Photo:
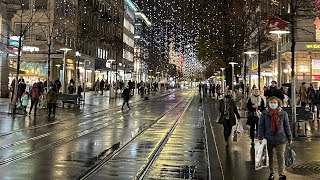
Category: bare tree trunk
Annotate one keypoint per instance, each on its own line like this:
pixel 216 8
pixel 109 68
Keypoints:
pixel 49 65
pixel 15 96
pixel 259 60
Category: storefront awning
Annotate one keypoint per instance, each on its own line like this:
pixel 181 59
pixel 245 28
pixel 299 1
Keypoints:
pixel 266 65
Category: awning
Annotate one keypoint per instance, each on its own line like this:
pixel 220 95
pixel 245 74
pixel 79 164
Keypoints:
pixel 266 65
pixel 4 49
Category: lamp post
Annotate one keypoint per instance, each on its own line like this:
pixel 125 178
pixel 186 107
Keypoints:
pixel 78 54
pixel 112 92
pixel 85 80
pixel 223 85
pixel 279 33
pixel 250 53
pixel 232 64
pixel 64 68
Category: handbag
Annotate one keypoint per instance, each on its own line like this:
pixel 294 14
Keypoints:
pixel 220 118
pixel 290 156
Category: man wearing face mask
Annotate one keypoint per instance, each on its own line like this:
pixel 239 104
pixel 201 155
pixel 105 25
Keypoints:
pixel 274 127
pixel 228 107
pixel 255 106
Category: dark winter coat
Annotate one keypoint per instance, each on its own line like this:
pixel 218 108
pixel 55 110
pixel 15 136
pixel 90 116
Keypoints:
pixel 274 91
pixel 265 131
pixel 231 112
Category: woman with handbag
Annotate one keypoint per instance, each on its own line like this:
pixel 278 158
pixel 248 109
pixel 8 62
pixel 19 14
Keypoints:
pixel 228 109
pixel 255 106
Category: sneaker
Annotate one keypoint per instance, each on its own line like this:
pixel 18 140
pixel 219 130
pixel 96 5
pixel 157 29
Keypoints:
pixel 271 176
pixel 282 177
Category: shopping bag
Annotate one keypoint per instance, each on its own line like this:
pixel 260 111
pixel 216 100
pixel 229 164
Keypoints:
pixel 290 156
pixel 261 155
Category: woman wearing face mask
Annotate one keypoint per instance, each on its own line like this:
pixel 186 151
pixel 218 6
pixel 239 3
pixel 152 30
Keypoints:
pixel 229 109
pixel 274 127
pixel 255 105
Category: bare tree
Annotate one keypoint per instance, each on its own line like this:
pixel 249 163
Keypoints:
pixel 24 19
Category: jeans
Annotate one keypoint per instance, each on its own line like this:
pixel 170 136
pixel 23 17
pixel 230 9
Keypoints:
pixel 34 102
pixel 227 129
pixel 52 107
pixel 280 149
pixel 253 127
pixel 312 105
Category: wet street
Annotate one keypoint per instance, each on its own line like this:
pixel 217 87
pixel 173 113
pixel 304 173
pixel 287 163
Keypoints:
pixel 171 136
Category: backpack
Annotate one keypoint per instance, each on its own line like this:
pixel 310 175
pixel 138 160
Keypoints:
pixel 35 93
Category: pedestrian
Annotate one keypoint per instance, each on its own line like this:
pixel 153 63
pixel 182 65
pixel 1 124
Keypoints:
pixel 312 98
pixel 52 97
pixel 35 95
pixel 274 91
pixel 25 101
pixel 275 128
pixel 21 89
pixel 71 88
pixel 58 84
pixel 255 106
pixel 102 86
pixel 97 86
pixel 227 106
pixel 303 94
pixel 126 97
pixel 318 103
pixel 214 90
pixel 218 89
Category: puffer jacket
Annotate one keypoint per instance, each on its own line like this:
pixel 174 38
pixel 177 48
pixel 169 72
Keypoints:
pixel 265 131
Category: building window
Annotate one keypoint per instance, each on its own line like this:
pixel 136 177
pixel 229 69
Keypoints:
pixel 40 4
pixel 26 4
pixel 20 28
pixel 39 33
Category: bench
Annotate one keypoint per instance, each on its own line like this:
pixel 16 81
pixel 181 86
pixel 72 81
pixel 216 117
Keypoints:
pixel 68 98
pixel 303 117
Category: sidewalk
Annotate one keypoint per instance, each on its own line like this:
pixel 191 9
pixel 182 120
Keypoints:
pixel 92 103
pixel 238 160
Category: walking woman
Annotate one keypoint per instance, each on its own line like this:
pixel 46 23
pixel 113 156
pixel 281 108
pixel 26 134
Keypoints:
pixel 274 127
pixel 255 106
pixel 52 98
pixel 228 108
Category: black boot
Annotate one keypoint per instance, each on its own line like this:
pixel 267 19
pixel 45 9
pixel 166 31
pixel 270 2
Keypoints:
pixel 282 177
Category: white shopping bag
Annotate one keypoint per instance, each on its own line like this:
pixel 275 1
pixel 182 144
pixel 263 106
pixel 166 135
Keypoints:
pixel 261 155
pixel 236 131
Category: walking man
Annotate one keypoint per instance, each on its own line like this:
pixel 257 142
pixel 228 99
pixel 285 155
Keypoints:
pixel 126 97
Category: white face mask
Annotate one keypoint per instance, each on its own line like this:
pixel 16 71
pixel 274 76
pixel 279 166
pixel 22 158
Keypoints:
pixel 273 105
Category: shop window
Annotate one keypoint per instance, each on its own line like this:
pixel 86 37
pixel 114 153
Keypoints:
pixel 40 4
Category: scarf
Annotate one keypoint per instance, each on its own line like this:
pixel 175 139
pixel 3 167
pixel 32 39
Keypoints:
pixel 256 100
pixel 274 113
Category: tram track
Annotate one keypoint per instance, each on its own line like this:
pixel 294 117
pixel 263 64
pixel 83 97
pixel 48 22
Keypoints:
pixel 84 115
pixel 79 133
pixel 142 171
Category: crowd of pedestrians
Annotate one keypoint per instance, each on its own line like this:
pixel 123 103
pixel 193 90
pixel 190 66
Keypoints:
pixel 266 118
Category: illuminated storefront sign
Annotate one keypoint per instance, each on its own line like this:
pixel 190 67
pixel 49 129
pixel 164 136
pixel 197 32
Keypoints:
pixel 255 67
pixel 30 48
pixel 313 46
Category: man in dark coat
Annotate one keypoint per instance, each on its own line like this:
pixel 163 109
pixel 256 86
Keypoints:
pixel 274 91
pixel 126 97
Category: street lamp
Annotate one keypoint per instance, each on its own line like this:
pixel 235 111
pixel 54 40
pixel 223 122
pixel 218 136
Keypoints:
pixel 78 54
pixel 279 33
pixel 64 68
pixel 250 53
pixel 232 64
pixel 112 90
pixel 85 79
pixel 223 86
